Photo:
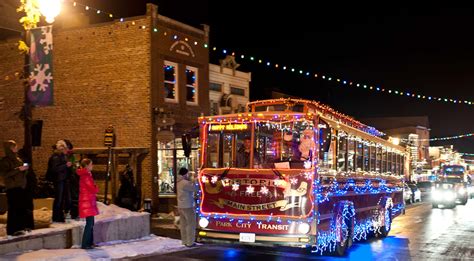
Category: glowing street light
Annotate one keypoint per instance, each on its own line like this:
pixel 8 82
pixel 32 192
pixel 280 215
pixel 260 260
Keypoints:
pixel 50 9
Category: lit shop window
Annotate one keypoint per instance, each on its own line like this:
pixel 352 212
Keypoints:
pixel 171 81
pixel 191 85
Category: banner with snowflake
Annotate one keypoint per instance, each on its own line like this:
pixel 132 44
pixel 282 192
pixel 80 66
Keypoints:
pixel 41 66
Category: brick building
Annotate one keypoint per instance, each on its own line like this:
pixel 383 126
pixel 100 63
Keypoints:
pixel 147 76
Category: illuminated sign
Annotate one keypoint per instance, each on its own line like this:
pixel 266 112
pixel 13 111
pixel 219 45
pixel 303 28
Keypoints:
pixel 229 127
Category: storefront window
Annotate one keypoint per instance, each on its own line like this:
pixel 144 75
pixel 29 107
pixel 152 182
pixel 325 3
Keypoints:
pixel 170 159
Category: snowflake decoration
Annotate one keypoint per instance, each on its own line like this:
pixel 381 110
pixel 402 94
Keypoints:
pixel 308 175
pixel 47 41
pixel 250 189
pixel 235 187
pixel 307 164
pixel 264 190
pixel 293 181
pixel 214 179
pixel 39 79
pixel 204 179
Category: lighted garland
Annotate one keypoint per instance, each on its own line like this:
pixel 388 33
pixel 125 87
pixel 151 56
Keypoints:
pixel 443 138
pixel 377 88
pixel 100 12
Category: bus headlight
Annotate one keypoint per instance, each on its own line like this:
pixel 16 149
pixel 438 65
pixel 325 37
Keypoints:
pixel 203 222
pixel 303 228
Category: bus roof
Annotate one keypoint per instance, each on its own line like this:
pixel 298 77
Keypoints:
pixel 318 108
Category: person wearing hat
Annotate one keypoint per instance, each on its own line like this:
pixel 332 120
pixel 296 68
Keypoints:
pixel 186 205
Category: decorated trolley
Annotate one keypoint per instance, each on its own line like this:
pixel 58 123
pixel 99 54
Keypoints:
pixel 296 173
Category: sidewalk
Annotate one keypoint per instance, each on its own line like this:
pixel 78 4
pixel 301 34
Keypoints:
pixel 163 226
pixel 113 250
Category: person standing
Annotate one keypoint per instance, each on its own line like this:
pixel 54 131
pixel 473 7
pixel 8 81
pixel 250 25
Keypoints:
pixel 72 183
pixel 31 185
pixel 87 202
pixel 187 212
pixel 14 172
pixel 58 165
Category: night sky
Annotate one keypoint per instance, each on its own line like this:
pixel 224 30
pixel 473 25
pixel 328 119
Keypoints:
pixel 425 49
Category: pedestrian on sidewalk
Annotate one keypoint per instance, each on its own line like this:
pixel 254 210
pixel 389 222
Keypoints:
pixel 14 172
pixel 87 202
pixel 72 183
pixel 186 207
pixel 59 167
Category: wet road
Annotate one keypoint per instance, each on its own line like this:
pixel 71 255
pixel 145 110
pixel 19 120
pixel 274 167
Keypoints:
pixel 422 233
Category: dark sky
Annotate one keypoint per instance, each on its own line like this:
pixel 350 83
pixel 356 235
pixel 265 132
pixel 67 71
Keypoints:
pixel 427 49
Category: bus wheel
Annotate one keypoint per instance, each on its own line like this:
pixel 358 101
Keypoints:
pixel 387 224
pixel 385 216
pixel 344 222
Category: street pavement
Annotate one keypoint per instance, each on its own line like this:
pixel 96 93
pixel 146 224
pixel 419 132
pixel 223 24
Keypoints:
pixel 422 233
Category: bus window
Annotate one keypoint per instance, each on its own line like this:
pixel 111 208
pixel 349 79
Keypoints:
pixel 373 157
pixel 341 151
pixel 326 150
pixel 284 145
pixel 394 163
pixel 366 157
pixel 213 150
pixel 378 167
pixel 384 160
pixel 350 154
pixel 359 156
pixel 228 146
pixel 389 160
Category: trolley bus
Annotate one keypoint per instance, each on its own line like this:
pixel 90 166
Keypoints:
pixel 296 173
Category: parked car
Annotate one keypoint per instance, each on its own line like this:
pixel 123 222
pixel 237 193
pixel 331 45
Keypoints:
pixel 425 188
pixel 407 194
pixel 416 193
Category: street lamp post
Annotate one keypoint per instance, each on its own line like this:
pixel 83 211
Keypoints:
pixel 33 10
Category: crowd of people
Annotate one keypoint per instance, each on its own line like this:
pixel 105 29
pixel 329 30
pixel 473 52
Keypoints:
pixel 74 189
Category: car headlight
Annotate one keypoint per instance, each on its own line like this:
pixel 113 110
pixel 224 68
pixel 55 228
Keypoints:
pixel 461 191
pixel 303 228
pixel 437 194
pixel 203 222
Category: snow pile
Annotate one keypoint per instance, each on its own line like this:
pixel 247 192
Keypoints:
pixel 43 223
pixel 112 212
pixel 150 245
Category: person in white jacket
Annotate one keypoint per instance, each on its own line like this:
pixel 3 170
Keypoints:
pixel 186 207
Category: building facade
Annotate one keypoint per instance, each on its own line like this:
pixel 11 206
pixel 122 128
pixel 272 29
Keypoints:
pixel 147 76
pixel 229 89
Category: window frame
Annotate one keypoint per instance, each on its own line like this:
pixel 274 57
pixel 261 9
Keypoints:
pixel 176 81
pixel 240 88
pixel 196 85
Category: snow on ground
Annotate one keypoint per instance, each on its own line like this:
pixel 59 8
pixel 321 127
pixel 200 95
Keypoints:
pixel 150 245
pixel 43 219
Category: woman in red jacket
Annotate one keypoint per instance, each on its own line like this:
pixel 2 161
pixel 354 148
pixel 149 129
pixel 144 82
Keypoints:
pixel 87 202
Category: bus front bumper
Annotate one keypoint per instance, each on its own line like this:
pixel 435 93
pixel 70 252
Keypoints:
pixel 263 240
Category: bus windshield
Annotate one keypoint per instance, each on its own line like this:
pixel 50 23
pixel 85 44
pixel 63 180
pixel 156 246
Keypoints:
pixel 453 170
pixel 283 145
